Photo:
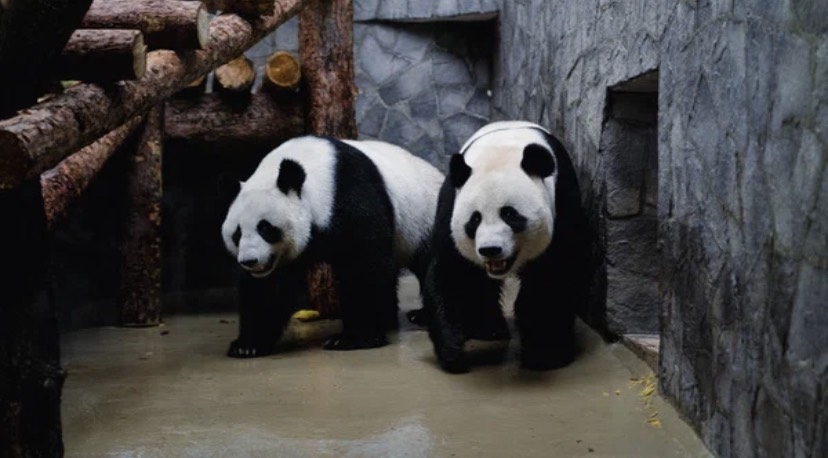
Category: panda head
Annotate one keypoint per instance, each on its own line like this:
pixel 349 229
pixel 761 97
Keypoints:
pixel 268 225
pixel 504 210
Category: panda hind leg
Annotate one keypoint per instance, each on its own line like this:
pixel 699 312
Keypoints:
pixel 368 299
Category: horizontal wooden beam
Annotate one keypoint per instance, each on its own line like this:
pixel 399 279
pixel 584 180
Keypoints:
pixel 38 138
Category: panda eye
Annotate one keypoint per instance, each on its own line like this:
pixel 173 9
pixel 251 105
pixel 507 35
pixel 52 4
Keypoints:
pixel 236 236
pixel 513 218
pixel 270 233
pixel 473 223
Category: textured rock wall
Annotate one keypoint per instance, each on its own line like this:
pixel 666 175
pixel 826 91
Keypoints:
pixel 743 196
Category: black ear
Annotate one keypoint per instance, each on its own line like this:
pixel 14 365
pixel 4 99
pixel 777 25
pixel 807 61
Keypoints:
pixel 291 176
pixel 459 172
pixel 538 161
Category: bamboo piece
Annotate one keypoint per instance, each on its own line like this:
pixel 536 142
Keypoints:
pixel 40 137
pixel 166 24
pixel 95 55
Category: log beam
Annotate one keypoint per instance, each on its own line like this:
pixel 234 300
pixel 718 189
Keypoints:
pixel 166 24
pixel 212 119
pixel 141 248
pixel 40 137
pixel 65 183
pixel 95 55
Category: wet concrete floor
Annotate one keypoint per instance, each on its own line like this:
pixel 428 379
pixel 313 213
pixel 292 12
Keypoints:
pixel 170 392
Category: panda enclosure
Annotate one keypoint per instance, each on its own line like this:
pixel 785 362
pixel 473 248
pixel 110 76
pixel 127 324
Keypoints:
pixel 131 56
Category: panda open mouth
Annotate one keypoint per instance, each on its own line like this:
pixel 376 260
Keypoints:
pixel 263 270
pixel 500 266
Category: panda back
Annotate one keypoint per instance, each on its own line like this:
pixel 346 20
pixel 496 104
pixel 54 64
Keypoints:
pixel 412 185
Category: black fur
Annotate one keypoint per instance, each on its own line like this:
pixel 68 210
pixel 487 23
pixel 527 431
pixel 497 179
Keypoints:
pixel 513 219
pixel 291 177
pixel 472 224
pixel 537 161
pixel 359 246
pixel 459 171
pixel 237 236
pixel 460 301
pixel 270 233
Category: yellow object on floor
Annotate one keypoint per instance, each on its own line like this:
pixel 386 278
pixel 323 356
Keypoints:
pixel 307 315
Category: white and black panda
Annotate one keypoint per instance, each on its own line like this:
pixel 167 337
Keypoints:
pixel 510 206
pixel 366 207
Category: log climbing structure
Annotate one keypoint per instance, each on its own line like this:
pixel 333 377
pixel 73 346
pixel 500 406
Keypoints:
pixel 137 70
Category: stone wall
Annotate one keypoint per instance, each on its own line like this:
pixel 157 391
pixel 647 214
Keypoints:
pixel 742 192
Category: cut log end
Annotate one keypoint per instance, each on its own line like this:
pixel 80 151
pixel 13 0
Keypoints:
pixel 14 165
pixel 98 55
pixel 282 72
pixel 236 76
pixel 203 26
pixel 139 50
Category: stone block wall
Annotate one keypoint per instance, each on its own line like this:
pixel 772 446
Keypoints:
pixel 742 191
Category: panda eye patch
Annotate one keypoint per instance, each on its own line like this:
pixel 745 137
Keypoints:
pixel 270 233
pixel 513 218
pixel 472 224
pixel 236 236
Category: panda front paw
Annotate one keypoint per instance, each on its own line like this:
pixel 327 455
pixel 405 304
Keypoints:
pixel 342 342
pixel 239 349
pixel 453 360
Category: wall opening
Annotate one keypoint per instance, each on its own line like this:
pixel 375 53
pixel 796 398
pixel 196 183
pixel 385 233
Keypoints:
pixel 629 146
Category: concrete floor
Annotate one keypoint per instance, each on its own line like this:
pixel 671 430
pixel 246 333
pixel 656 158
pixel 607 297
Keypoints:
pixel 170 392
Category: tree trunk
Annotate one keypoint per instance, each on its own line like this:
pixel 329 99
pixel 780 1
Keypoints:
pixel 44 26
pixel 235 77
pixel 326 52
pixel 39 138
pixel 327 56
pixel 166 24
pixel 65 183
pixel 241 7
pixel 31 378
pixel 214 120
pixel 282 73
pixel 94 55
pixel 141 249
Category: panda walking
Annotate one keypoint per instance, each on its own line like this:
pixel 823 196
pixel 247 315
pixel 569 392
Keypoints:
pixel 366 207
pixel 510 206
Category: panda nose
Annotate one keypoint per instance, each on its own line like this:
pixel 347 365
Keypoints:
pixel 490 251
pixel 249 262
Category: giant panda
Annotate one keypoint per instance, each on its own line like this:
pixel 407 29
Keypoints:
pixel 510 206
pixel 365 207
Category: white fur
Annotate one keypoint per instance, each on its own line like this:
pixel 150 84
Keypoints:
pixel 412 185
pixel 494 154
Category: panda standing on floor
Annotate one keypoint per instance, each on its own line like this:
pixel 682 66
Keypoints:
pixel 511 205
pixel 366 207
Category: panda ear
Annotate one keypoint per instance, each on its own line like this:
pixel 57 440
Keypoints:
pixel 291 177
pixel 538 161
pixel 459 171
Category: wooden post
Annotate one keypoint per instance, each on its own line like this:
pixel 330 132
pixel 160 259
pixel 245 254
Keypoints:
pixel 326 37
pixel 31 378
pixel 327 59
pixel 141 249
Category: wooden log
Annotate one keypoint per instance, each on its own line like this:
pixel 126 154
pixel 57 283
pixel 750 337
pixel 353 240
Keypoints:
pixel 96 55
pixel 196 88
pixel 31 378
pixel 166 24
pixel 63 184
pixel 44 26
pixel 141 249
pixel 327 63
pixel 235 77
pixel 282 73
pixel 40 137
pixel 241 7
pixel 212 119
pixel 327 55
